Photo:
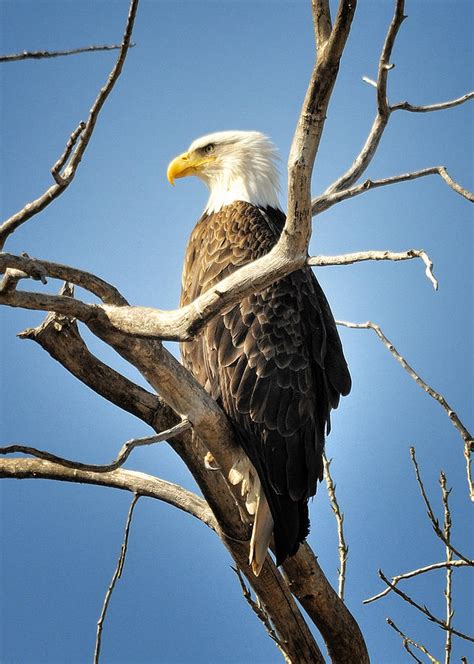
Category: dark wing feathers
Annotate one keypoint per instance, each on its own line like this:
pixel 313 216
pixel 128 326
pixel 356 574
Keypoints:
pixel 274 362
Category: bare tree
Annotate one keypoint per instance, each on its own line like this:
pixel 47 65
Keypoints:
pixel 136 333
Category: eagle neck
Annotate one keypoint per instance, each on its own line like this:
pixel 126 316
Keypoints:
pixel 258 189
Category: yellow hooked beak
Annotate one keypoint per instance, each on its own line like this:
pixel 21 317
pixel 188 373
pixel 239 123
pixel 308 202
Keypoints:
pixel 188 163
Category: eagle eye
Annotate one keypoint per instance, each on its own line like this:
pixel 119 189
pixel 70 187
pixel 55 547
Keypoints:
pixel 209 149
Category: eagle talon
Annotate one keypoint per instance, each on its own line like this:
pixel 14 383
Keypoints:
pixel 210 462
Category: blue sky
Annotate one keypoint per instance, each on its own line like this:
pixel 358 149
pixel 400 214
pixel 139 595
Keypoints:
pixel 201 67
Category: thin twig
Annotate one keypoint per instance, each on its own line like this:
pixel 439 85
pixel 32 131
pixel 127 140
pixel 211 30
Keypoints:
pixel 122 456
pixel 431 514
pixel 406 106
pixel 342 546
pixel 424 610
pixel 465 434
pixel 35 206
pixel 117 574
pixel 56 168
pixel 39 55
pixel 407 642
pixel 449 571
pixel 327 200
pixel 261 614
pixel 359 256
pixel 416 572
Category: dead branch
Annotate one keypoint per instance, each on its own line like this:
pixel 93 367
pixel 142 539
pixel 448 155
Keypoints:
pixel 341 633
pixel 407 642
pixel 116 576
pixel 424 610
pixel 326 201
pixel 449 570
pixel 322 22
pixel 37 269
pixel 125 451
pixel 406 106
pixel 177 325
pixel 39 55
pixel 127 480
pixel 262 615
pixel 365 156
pixel 465 435
pixel 342 548
pixel 296 234
pixel 421 570
pixel 59 165
pixel 57 335
pixel 359 256
pixel 384 110
pixel 32 208
pixel 431 515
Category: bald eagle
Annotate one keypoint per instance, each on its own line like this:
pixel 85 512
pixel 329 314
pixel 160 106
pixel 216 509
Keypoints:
pixel 274 361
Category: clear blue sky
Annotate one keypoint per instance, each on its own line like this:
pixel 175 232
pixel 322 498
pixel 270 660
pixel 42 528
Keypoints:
pixel 201 67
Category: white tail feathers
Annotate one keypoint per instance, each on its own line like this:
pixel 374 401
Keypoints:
pixel 261 533
pixel 256 503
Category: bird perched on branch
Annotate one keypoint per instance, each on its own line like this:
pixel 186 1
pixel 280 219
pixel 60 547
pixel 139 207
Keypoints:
pixel 274 361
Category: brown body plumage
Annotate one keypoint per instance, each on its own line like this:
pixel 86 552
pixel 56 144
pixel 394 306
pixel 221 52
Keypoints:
pixel 274 361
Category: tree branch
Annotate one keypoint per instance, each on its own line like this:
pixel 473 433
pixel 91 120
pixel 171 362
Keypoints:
pixel 262 615
pixel 406 106
pixel 322 22
pixel 424 610
pixel 125 451
pixel 449 570
pixel 234 529
pixel 407 642
pixel 364 158
pixel 116 576
pixel 296 234
pixel 384 110
pixel 431 515
pixel 32 208
pixel 177 325
pixel 327 200
pixel 38 269
pixel 127 480
pixel 422 570
pixel 341 633
pixel 465 435
pixel 39 55
pixel 59 164
pixel 357 257
pixel 342 548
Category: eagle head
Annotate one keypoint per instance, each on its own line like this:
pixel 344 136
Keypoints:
pixel 235 165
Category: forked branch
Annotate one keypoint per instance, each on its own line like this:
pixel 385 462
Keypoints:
pixel 85 133
pixel 407 642
pixel 425 611
pixel 344 184
pixel 125 451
